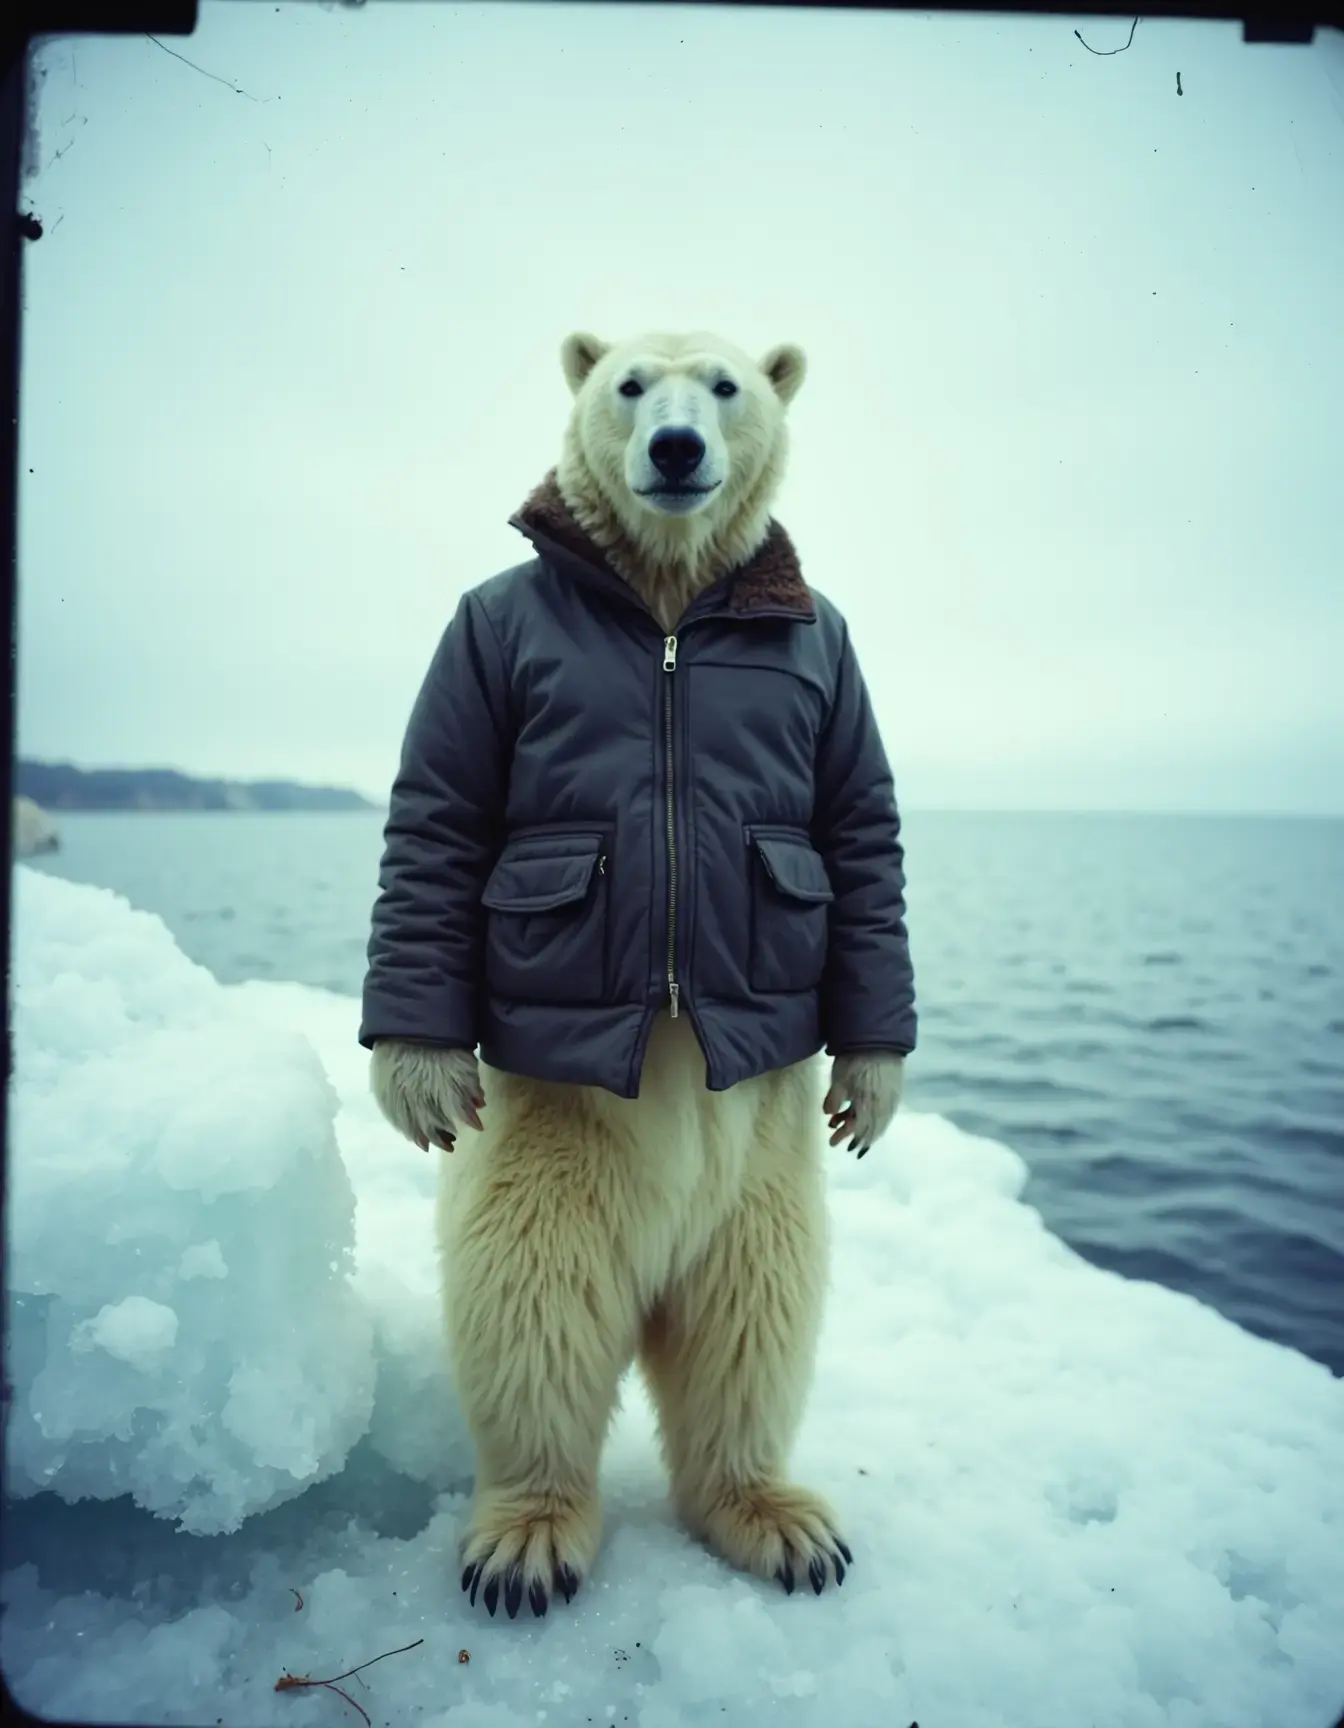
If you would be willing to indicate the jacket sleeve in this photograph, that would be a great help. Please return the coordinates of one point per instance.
(868, 988)
(442, 838)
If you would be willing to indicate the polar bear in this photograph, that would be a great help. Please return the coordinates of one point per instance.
(644, 854)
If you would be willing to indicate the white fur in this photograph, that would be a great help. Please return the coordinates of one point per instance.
(864, 1094)
(666, 550)
(684, 1228)
(425, 1093)
(687, 1228)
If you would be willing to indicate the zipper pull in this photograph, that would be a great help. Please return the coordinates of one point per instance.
(669, 653)
(674, 993)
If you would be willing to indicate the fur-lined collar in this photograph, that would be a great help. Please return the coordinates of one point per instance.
(770, 581)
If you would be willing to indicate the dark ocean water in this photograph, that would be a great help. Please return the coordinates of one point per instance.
(1150, 1010)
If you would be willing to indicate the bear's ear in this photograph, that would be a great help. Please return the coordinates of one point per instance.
(579, 353)
(785, 367)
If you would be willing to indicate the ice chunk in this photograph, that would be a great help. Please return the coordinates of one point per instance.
(137, 1331)
(416, 1425)
(202, 1260)
(33, 831)
(182, 1324)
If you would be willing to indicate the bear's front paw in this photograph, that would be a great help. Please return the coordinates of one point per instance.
(776, 1531)
(425, 1091)
(864, 1095)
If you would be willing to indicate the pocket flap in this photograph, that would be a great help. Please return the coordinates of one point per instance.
(796, 868)
(539, 881)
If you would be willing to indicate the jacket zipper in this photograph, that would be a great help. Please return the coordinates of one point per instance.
(669, 667)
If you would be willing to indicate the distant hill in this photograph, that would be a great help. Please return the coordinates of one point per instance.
(58, 786)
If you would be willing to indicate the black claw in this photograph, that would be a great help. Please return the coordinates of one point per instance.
(536, 1595)
(817, 1573)
(785, 1576)
(567, 1581)
(513, 1591)
(840, 1544)
(839, 1565)
(468, 1575)
(490, 1595)
(476, 1582)
(864, 1151)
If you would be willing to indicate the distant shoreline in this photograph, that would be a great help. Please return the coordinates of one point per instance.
(200, 810)
(62, 789)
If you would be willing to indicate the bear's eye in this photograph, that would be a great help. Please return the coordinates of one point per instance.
(725, 388)
(632, 388)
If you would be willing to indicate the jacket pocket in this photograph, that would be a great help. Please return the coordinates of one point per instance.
(546, 930)
(790, 900)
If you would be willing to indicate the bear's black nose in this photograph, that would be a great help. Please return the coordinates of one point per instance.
(676, 451)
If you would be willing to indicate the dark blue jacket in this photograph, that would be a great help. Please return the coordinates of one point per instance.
(592, 821)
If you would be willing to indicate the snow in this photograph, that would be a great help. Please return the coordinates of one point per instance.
(1075, 1501)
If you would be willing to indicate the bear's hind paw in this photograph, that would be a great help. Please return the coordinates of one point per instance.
(564, 1582)
(520, 1549)
(837, 1554)
(777, 1531)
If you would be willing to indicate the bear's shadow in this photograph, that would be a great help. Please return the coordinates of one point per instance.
(115, 1547)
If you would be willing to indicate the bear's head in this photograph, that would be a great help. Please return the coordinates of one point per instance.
(676, 447)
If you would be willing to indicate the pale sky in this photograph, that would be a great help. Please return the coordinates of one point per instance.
(1070, 455)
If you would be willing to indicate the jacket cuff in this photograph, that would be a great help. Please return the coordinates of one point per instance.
(874, 1047)
(445, 1016)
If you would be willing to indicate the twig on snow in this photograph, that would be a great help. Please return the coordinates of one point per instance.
(290, 1682)
(287, 1682)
